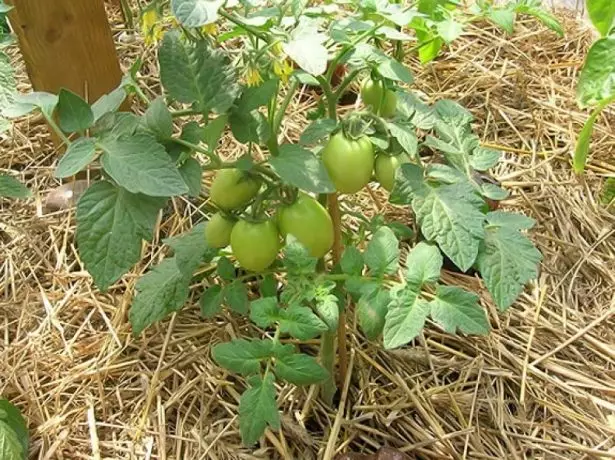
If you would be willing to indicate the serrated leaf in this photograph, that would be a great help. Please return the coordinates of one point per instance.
(243, 356)
(297, 258)
(111, 224)
(196, 13)
(141, 165)
(507, 260)
(212, 133)
(382, 253)
(510, 220)
(416, 111)
(456, 309)
(317, 131)
(268, 286)
(483, 159)
(226, 269)
(211, 301)
(451, 216)
(160, 292)
(300, 369)
(108, 103)
(257, 409)
(451, 114)
(15, 445)
(597, 79)
(301, 323)
(602, 15)
(79, 154)
(74, 114)
(301, 168)
(424, 265)
(265, 312)
(394, 70)
(197, 74)
(191, 172)
(352, 261)
(159, 120)
(401, 231)
(544, 16)
(12, 188)
(371, 310)
(190, 249)
(449, 29)
(326, 306)
(405, 319)
(250, 127)
(493, 192)
(257, 96)
(503, 17)
(236, 295)
(26, 103)
(406, 137)
(409, 182)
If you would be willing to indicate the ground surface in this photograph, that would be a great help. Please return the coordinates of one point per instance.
(542, 385)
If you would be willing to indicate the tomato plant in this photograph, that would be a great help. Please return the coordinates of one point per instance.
(234, 69)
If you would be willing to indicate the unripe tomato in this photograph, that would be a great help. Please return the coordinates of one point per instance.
(308, 221)
(255, 245)
(218, 231)
(233, 188)
(386, 167)
(381, 100)
(349, 162)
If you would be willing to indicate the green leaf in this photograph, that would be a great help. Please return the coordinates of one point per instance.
(211, 301)
(12, 188)
(581, 150)
(26, 103)
(510, 220)
(382, 253)
(197, 73)
(493, 192)
(190, 249)
(456, 309)
(352, 261)
(250, 127)
(14, 436)
(236, 295)
(608, 191)
(503, 17)
(534, 9)
(483, 159)
(297, 258)
(429, 45)
(269, 286)
(301, 323)
(111, 224)
(451, 114)
(257, 409)
(450, 30)
(597, 79)
(265, 311)
(412, 108)
(192, 172)
(405, 319)
(160, 292)
(602, 15)
(79, 154)
(196, 13)
(507, 260)
(317, 131)
(409, 182)
(371, 310)
(309, 53)
(300, 369)
(424, 265)
(451, 216)
(305, 78)
(108, 103)
(257, 96)
(301, 168)
(226, 269)
(243, 356)
(394, 70)
(4, 8)
(212, 133)
(402, 232)
(8, 86)
(141, 165)
(159, 120)
(325, 304)
(406, 137)
(74, 114)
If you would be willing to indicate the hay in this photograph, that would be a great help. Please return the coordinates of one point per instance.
(542, 385)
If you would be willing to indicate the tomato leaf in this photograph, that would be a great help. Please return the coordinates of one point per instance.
(74, 114)
(309, 53)
(510, 220)
(608, 191)
(23, 104)
(602, 15)
(265, 311)
(14, 437)
(111, 224)
(424, 265)
(8, 86)
(483, 159)
(326, 305)
(250, 127)
(581, 150)
(196, 13)
(301, 323)
(192, 172)
(159, 120)
(394, 70)
(406, 137)
(12, 188)
(197, 73)
(300, 369)
(454, 308)
(257, 409)
(416, 111)
(226, 269)
(533, 8)
(352, 261)
(211, 301)
(236, 295)
(257, 96)
(243, 356)
(212, 133)
(141, 165)
(108, 103)
(4, 8)
(405, 318)
(301, 168)
(507, 260)
(409, 181)
(190, 249)
(160, 292)
(371, 310)
(317, 131)
(450, 30)
(268, 286)
(79, 154)
(503, 17)
(297, 258)
(597, 79)
(493, 192)
(382, 253)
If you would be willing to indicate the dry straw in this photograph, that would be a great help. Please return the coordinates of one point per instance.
(541, 386)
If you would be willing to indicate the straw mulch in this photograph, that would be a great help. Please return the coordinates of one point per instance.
(542, 385)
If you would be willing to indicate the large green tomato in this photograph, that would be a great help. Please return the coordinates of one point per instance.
(381, 100)
(349, 162)
(255, 245)
(308, 221)
(233, 188)
(218, 231)
(386, 167)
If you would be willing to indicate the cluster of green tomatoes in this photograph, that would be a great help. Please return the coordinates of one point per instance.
(350, 163)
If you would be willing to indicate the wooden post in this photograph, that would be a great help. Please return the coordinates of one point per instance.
(67, 44)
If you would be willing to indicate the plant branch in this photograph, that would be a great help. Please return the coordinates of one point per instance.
(239, 22)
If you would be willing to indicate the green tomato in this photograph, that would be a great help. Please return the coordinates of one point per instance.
(349, 162)
(386, 167)
(308, 221)
(218, 231)
(381, 100)
(255, 245)
(232, 189)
